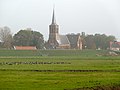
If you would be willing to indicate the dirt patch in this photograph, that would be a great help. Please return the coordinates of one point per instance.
(98, 88)
(108, 88)
(76, 70)
(62, 70)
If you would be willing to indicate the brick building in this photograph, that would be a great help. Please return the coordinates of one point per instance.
(57, 41)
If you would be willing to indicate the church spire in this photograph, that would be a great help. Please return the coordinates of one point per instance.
(53, 17)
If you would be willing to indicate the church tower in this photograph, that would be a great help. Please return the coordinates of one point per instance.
(53, 32)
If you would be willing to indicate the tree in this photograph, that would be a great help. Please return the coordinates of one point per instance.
(38, 40)
(29, 38)
(6, 37)
(96, 41)
(102, 41)
(89, 42)
(109, 39)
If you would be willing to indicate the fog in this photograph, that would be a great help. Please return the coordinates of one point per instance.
(73, 16)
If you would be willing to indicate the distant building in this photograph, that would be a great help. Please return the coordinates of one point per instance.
(57, 41)
(115, 46)
(25, 47)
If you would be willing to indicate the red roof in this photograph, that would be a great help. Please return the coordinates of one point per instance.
(25, 47)
(118, 43)
(115, 43)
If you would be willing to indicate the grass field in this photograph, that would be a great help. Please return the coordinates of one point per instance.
(23, 70)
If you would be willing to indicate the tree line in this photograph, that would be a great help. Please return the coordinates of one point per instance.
(28, 37)
(97, 41)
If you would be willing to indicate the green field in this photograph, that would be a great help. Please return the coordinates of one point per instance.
(57, 69)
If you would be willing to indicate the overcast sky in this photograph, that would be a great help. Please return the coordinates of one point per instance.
(73, 16)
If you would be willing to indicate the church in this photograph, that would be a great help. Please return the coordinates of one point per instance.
(58, 41)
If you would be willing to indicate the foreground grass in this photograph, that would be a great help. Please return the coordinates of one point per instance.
(24, 76)
(20, 77)
(24, 80)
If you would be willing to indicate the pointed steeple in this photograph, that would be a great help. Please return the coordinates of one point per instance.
(53, 17)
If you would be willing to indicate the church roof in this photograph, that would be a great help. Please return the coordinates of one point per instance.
(53, 18)
(1, 41)
(63, 39)
(73, 38)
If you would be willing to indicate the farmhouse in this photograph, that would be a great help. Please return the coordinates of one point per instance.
(25, 47)
(115, 46)
(57, 41)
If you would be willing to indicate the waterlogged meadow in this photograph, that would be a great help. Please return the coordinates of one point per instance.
(58, 69)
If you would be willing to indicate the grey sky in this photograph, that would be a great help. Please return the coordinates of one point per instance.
(73, 16)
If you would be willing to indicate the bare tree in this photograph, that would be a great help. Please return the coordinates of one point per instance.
(6, 37)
